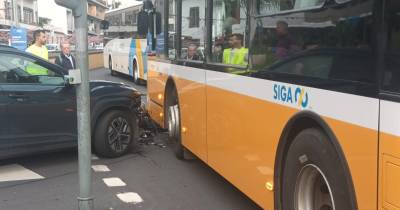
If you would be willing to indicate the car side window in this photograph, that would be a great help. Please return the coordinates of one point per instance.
(24, 70)
(312, 66)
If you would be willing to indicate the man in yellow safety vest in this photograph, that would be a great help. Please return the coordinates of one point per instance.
(236, 54)
(39, 49)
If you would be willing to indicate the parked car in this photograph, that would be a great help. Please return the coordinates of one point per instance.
(38, 112)
(53, 47)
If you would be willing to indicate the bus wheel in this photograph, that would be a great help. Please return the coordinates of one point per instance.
(113, 73)
(136, 78)
(313, 176)
(174, 127)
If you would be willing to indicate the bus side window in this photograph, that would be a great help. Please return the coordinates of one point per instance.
(228, 35)
(172, 29)
(312, 34)
(391, 77)
(193, 27)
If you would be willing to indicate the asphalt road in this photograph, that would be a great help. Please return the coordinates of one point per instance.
(151, 177)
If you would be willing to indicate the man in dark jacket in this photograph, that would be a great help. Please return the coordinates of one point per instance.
(65, 59)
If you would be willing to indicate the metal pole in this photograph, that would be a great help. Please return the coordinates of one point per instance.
(15, 12)
(85, 199)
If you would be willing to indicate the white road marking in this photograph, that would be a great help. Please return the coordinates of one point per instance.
(130, 197)
(114, 182)
(100, 168)
(94, 157)
(16, 172)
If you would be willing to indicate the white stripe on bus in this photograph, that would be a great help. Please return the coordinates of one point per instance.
(358, 110)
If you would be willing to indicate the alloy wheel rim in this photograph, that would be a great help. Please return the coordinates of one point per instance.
(119, 134)
(313, 191)
(135, 73)
(173, 120)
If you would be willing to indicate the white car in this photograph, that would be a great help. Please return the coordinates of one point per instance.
(53, 47)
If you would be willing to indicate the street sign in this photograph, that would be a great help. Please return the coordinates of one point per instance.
(19, 38)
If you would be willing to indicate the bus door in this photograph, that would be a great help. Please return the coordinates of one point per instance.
(389, 160)
(123, 58)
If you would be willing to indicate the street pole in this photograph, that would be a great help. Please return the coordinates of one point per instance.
(15, 12)
(79, 9)
(85, 198)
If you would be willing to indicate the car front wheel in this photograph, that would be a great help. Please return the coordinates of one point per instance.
(114, 134)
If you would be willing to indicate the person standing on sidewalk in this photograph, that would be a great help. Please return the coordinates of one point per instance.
(65, 59)
(39, 49)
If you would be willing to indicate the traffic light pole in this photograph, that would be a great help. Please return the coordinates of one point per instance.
(85, 199)
(79, 9)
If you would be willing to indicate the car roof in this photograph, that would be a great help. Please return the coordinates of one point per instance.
(8, 48)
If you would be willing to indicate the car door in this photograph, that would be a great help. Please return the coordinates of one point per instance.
(40, 108)
(3, 117)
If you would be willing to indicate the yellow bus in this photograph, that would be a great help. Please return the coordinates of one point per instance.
(296, 103)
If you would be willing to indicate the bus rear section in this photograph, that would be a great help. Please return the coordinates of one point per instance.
(128, 57)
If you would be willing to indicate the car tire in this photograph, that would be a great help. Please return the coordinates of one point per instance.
(115, 134)
(173, 123)
(313, 176)
(110, 66)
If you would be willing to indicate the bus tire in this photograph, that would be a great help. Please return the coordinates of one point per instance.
(136, 78)
(174, 124)
(313, 176)
(110, 66)
(114, 134)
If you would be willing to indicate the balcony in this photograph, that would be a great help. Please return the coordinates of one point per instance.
(96, 12)
(101, 3)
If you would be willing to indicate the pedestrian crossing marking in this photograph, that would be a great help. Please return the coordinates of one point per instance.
(100, 168)
(130, 197)
(114, 182)
(15, 172)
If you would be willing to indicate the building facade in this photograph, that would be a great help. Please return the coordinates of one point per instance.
(122, 22)
(96, 11)
(27, 12)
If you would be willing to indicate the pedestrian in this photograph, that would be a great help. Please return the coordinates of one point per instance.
(236, 54)
(285, 46)
(192, 53)
(65, 59)
(39, 49)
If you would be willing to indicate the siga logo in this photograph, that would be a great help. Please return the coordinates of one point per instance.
(293, 95)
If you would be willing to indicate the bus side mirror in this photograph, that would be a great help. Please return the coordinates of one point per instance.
(142, 23)
(104, 25)
(157, 17)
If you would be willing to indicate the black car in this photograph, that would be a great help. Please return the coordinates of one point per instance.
(38, 112)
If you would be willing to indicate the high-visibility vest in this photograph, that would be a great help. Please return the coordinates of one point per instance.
(42, 52)
(239, 57)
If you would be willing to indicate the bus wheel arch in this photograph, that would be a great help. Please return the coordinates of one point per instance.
(172, 119)
(304, 121)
